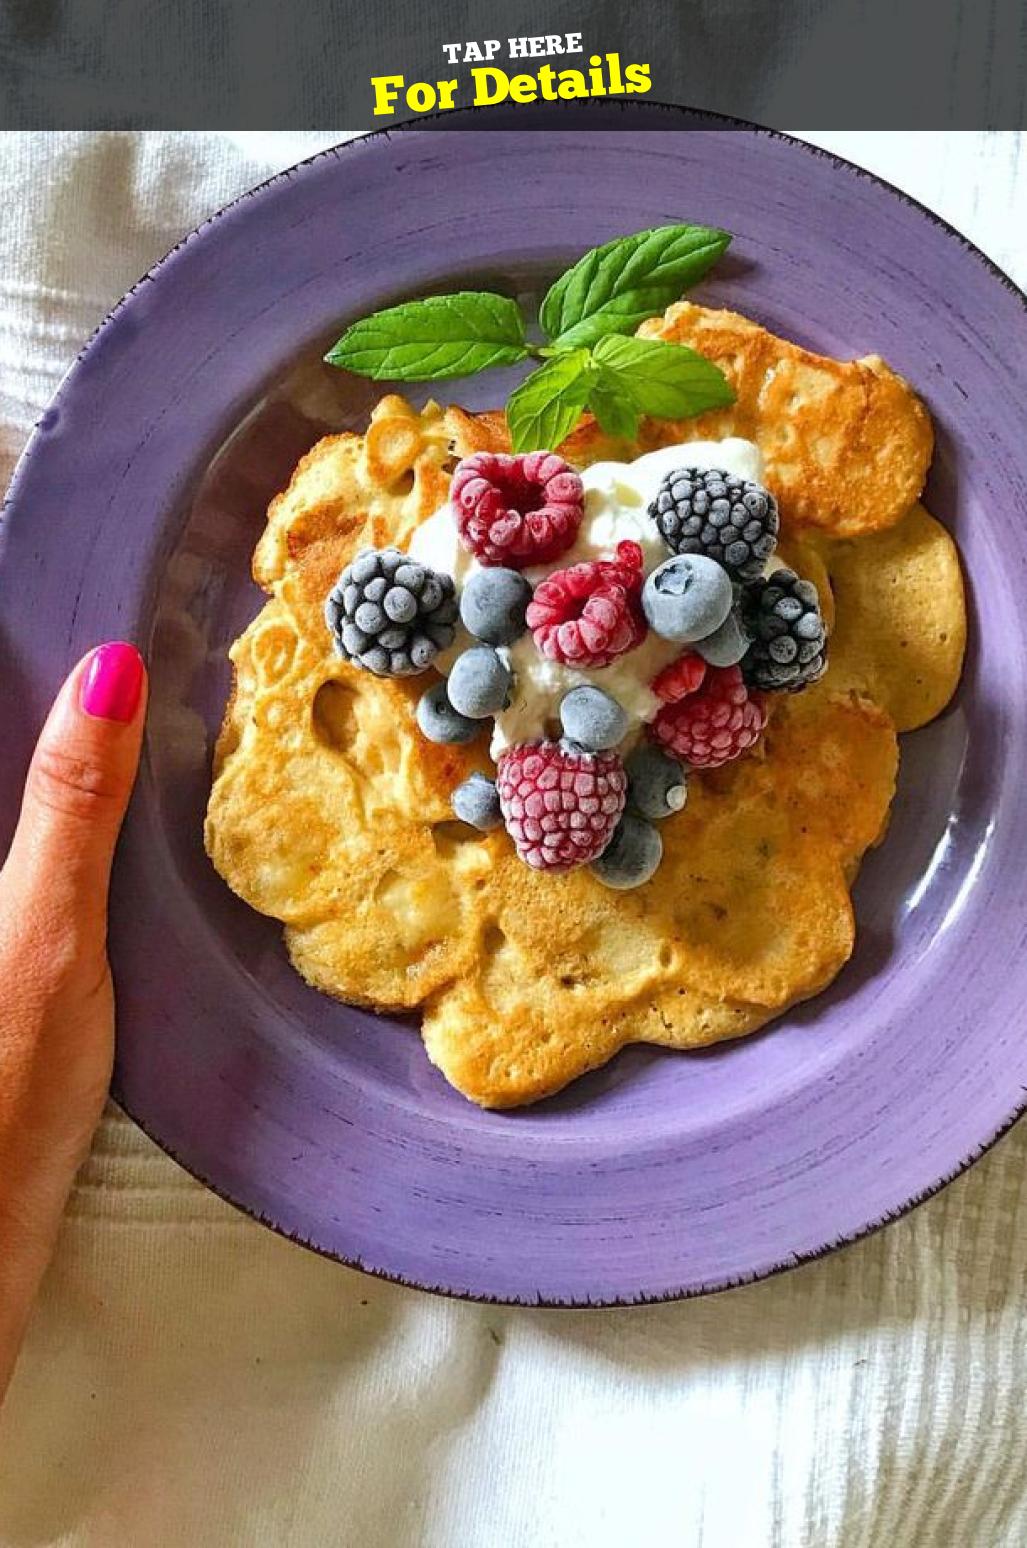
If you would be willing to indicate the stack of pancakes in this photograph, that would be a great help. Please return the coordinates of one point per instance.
(330, 811)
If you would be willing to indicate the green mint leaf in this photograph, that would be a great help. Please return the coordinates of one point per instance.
(548, 404)
(441, 336)
(614, 288)
(669, 381)
(612, 406)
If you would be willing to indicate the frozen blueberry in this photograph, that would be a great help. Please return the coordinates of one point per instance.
(476, 801)
(593, 719)
(632, 855)
(657, 783)
(686, 598)
(493, 604)
(438, 719)
(727, 645)
(479, 683)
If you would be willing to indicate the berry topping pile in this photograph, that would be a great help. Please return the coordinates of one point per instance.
(560, 803)
(590, 614)
(608, 684)
(517, 511)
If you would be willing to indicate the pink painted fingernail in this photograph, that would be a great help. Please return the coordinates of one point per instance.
(113, 682)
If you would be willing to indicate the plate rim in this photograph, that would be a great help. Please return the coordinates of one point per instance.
(699, 119)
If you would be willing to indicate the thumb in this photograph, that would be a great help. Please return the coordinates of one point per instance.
(77, 790)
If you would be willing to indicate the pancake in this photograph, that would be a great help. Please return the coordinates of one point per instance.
(330, 812)
(900, 633)
(847, 444)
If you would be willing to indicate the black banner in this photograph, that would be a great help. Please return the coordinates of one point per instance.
(309, 63)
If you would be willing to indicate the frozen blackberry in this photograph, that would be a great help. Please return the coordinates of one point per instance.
(789, 647)
(390, 615)
(709, 511)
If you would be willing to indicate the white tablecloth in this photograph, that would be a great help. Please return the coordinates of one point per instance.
(191, 1381)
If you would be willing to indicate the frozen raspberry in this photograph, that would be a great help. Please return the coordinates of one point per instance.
(681, 678)
(560, 805)
(589, 614)
(517, 511)
(631, 554)
(714, 725)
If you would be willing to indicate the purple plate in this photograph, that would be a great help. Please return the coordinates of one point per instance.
(134, 512)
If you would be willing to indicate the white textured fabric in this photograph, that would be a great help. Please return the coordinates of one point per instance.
(191, 1381)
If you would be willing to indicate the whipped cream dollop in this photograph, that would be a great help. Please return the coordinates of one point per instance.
(617, 499)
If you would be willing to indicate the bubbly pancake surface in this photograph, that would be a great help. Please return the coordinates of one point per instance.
(330, 812)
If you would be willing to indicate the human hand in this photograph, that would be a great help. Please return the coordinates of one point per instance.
(56, 995)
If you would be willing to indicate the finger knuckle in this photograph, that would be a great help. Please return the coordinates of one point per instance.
(71, 784)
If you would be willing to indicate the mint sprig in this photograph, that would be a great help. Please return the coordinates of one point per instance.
(588, 360)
